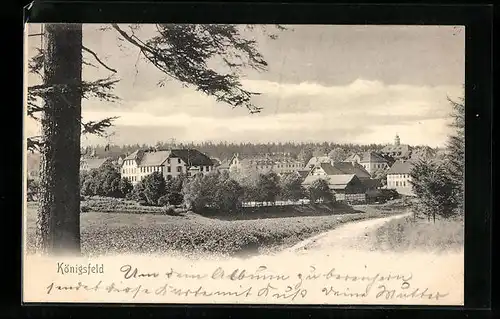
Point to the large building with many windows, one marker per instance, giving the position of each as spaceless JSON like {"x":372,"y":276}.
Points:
{"x":398,"y":177}
{"x":397,"y":150}
{"x":279,"y":163}
{"x":170,"y":163}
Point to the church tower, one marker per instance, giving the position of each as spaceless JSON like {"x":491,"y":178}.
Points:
{"x":397,"y":141}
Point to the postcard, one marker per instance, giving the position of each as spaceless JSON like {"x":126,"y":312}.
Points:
{"x":244,"y":164}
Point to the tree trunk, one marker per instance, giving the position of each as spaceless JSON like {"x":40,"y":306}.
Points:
{"x":58,"y":222}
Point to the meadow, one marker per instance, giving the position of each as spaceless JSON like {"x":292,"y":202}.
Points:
{"x":419,"y":234}
{"x":194,"y":235}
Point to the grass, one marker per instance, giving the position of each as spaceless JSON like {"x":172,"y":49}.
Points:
{"x":192,"y":234}
{"x":112,"y":205}
{"x":407,"y":233}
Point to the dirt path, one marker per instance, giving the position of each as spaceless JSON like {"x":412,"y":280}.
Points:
{"x":349,"y":236}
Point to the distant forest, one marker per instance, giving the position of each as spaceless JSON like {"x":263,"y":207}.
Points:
{"x":224,"y":150}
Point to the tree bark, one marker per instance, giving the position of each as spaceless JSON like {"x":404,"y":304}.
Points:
{"x":58,"y":220}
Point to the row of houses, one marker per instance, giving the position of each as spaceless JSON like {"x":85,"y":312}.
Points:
{"x":281,"y":163}
{"x":356,"y":174}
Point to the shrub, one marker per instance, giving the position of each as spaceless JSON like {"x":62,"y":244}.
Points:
{"x":149,"y":190}
{"x":163,"y":201}
{"x":291,"y":188}
{"x":434,"y":188}
{"x":154,"y":187}
{"x":228,"y":196}
{"x":175,"y":198}
{"x":319,"y":189}
{"x":84,"y":209}
{"x":170,"y":210}
{"x":268,"y":187}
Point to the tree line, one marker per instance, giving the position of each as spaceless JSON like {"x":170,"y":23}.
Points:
{"x":225,"y":150}
{"x":220,"y":191}
{"x":438,"y":182}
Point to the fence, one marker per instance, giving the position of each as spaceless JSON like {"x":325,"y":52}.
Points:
{"x":278,"y":203}
{"x":351,"y":198}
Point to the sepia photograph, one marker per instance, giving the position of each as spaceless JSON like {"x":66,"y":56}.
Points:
{"x":244,"y":164}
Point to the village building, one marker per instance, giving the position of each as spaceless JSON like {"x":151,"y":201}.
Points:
{"x":352,"y":168}
{"x":317,"y":160}
{"x":223,"y":166}
{"x":215,"y":161}
{"x":90,"y":163}
{"x":397,"y":150}
{"x":278,"y":163}
{"x":398,"y":177}
{"x":370,"y":161}
{"x":354,"y":158}
{"x":302,"y":173}
{"x":345,"y":187}
{"x":119,"y":160}
{"x":170,"y":163}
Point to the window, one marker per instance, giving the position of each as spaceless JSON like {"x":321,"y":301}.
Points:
{"x":208,"y":168}
{"x":168,"y":160}
{"x":201,"y":168}
{"x":179,"y":169}
{"x":179,"y":160}
{"x":169,"y":169}
{"x":397,"y":183}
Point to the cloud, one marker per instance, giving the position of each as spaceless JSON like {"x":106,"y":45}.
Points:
{"x":363,"y":111}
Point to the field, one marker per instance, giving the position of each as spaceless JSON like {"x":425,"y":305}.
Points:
{"x":419,"y":235}
{"x":194,"y":235}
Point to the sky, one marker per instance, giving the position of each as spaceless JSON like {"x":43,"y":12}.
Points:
{"x":333,"y":83}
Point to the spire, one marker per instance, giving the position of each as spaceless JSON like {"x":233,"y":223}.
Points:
{"x":397,"y":141}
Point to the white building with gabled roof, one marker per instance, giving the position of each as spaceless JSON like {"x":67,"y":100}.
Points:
{"x":170,"y":163}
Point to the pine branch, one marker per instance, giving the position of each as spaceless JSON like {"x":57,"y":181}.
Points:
{"x":34,"y":143}
{"x":97,"y":58}
{"x":183,"y":51}
{"x":99,"y":127}
{"x":96,"y":89}
{"x":35,"y":64}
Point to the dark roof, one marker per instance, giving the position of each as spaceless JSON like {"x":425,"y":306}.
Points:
{"x":156,"y":158}
{"x":329,"y":169}
{"x":192,"y":157}
{"x":350,"y":168}
{"x":303,"y":173}
{"x":215,"y":161}
{"x":372,"y":157}
{"x":371,"y":183}
{"x":400,"y":167}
